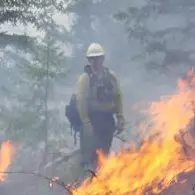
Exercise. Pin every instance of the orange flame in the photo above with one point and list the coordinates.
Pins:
(6, 154)
(158, 161)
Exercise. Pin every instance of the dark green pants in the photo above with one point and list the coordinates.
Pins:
(103, 129)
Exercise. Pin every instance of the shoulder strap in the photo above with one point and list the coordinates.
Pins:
(109, 74)
(87, 69)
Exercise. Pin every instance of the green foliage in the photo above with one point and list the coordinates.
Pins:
(24, 10)
(163, 28)
(26, 117)
(35, 12)
(31, 70)
(20, 41)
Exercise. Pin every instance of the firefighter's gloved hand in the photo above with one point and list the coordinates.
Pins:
(87, 128)
(120, 124)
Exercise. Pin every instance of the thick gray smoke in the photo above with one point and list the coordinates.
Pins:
(94, 21)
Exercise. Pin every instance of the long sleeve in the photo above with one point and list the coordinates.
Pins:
(82, 93)
(119, 100)
(119, 97)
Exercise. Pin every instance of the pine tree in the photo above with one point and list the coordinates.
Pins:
(164, 30)
(30, 73)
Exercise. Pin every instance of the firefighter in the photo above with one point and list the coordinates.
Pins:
(100, 106)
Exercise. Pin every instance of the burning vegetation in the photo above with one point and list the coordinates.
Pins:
(166, 152)
(155, 166)
(6, 153)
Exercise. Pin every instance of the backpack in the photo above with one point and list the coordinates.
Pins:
(72, 114)
(71, 111)
(73, 117)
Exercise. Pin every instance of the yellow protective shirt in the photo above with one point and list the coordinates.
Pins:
(85, 98)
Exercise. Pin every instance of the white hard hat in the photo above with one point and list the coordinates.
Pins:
(95, 49)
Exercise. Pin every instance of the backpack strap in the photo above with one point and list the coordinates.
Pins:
(92, 77)
(108, 72)
(87, 69)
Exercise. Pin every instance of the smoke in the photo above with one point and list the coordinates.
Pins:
(138, 84)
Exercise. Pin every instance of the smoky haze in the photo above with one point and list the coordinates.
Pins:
(149, 46)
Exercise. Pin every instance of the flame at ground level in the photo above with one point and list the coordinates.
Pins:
(157, 163)
(6, 153)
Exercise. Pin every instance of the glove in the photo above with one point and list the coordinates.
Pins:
(120, 124)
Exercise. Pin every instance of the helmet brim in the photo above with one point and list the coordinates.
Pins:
(95, 55)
